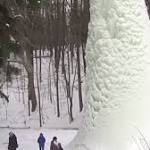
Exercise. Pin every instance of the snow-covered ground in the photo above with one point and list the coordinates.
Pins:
(18, 98)
(27, 138)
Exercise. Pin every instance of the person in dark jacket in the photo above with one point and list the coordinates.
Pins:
(41, 140)
(54, 144)
(12, 145)
(60, 147)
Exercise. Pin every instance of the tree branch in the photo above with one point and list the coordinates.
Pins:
(4, 96)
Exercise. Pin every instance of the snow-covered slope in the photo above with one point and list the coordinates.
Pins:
(15, 113)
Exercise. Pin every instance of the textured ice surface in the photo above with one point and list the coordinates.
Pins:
(118, 77)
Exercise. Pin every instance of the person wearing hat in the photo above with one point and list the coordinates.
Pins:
(12, 145)
(54, 144)
(41, 140)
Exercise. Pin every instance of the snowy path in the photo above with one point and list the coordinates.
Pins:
(27, 138)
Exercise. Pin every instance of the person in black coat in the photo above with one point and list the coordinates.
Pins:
(12, 145)
(54, 145)
(41, 141)
(60, 147)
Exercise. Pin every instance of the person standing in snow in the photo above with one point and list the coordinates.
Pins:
(60, 147)
(12, 145)
(54, 144)
(41, 140)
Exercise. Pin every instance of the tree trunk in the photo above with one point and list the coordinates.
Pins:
(31, 91)
(38, 90)
(57, 92)
(40, 57)
(29, 108)
(69, 90)
(118, 78)
(30, 71)
(68, 84)
(79, 80)
(50, 81)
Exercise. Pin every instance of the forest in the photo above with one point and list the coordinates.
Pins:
(34, 30)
